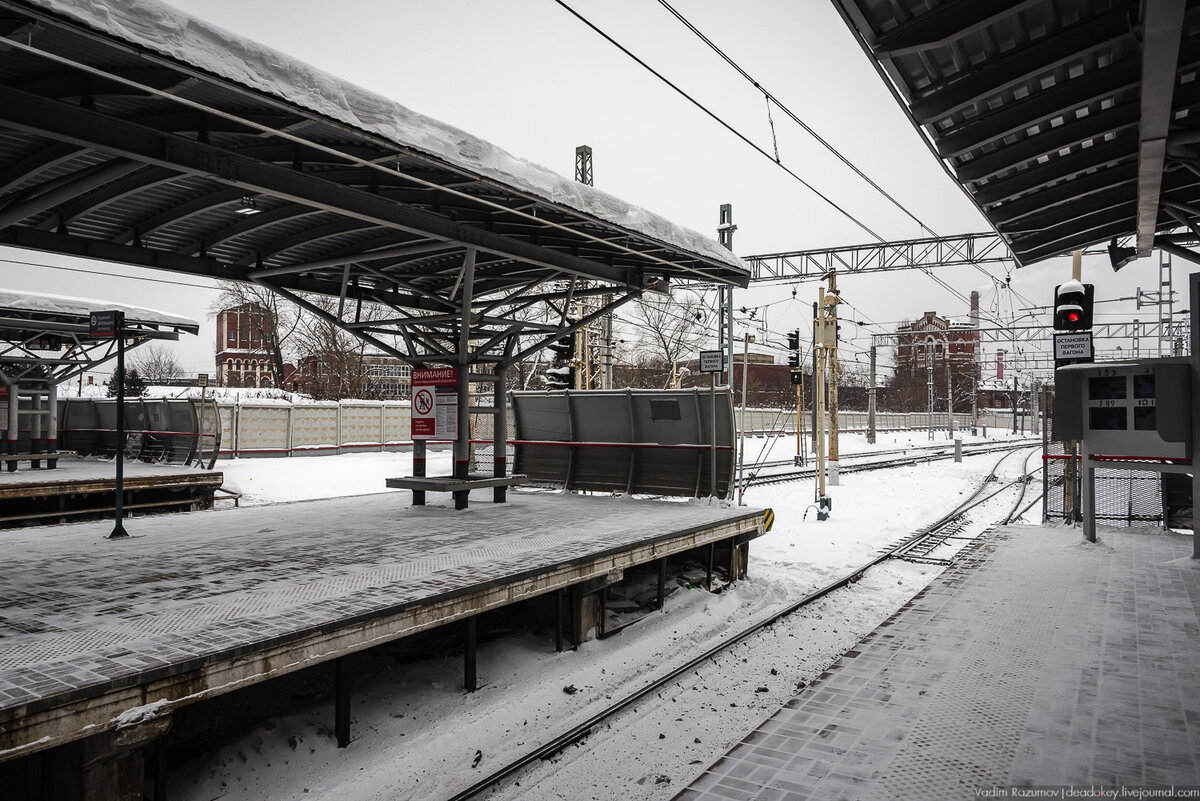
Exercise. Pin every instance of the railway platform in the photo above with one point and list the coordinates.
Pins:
(83, 489)
(1037, 661)
(101, 640)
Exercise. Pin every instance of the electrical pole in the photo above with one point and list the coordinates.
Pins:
(929, 388)
(748, 338)
(949, 402)
(819, 393)
(594, 342)
(725, 231)
(797, 378)
(831, 333)
(871, 401)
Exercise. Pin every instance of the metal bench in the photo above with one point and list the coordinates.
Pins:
(459, 487)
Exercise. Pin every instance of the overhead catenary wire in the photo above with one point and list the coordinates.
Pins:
(719, 120)
(773, 100)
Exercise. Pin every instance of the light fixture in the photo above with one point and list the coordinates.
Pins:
(248, 206)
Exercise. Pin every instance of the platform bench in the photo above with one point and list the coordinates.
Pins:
(459, 487)
(35, 459)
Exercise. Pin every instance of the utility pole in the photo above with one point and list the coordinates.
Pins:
(725, 231)
(871, 401)
(819, 393)
(1016, 401)
(797, 378)
(748, 338)
(594, 342)
(949, 402)
(831, 331)
(824, 340)
(929, 388)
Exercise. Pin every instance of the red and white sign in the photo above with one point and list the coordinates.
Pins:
(435, 403)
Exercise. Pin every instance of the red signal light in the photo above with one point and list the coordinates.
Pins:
(1073, 317)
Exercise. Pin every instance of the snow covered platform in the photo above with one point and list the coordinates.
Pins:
(1038, 660)
(84, 488)
(102, 637)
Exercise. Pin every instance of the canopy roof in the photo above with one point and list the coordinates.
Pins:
(1068, 122)
(46, 337)
(133, 133)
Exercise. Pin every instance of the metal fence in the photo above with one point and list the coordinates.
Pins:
(1123, 497)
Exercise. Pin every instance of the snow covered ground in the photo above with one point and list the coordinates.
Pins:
(418, 735)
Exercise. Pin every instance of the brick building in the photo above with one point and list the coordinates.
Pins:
(244, 341)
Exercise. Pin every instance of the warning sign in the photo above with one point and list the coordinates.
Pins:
(435, 404)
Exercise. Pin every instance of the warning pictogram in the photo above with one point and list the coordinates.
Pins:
(435, 404)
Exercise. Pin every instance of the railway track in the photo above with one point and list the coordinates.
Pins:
(927, 456)
(909, 548)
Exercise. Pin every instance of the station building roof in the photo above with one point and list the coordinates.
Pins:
(134, 133)
(1068, 122)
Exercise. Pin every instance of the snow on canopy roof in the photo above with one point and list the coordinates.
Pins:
(166, 30)
(65, 305)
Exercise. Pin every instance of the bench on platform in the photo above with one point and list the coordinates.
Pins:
(459, 487)
(35, 458)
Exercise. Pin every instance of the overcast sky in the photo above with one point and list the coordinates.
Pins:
(530, 77)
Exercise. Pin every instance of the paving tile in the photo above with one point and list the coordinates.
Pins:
(80, 612)
(1037, 659)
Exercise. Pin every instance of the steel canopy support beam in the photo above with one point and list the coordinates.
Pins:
(1177, 250)
(1162, 29)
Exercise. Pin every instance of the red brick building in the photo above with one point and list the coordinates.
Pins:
(244, 356)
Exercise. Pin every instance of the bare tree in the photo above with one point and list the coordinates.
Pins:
(332, 356)
(279, 315)
(156, 364)
(671, 327)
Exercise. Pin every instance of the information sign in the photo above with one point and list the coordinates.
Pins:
(435, 404)
(712, 361)
(202, 379)
(1072, 348)
(105, 324)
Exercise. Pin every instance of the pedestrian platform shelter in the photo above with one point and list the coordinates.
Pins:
(1039, 660)
(102, 639)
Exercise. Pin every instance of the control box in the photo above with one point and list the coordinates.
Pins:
(1138, 409)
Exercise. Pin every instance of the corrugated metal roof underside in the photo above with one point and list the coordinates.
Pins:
(1037, 108)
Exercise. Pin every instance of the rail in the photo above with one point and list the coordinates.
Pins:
(578, 732)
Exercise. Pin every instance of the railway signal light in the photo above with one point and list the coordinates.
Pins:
(794, 340)
(1073, 306)
(561, 374)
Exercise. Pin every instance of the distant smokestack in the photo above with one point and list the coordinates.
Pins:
(999, 364)
(975, 309)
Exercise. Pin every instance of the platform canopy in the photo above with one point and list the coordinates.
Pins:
(47, 337)
(1068, 122)
(133, 133)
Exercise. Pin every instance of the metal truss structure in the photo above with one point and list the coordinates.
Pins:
(910, 254)
(54, 346)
